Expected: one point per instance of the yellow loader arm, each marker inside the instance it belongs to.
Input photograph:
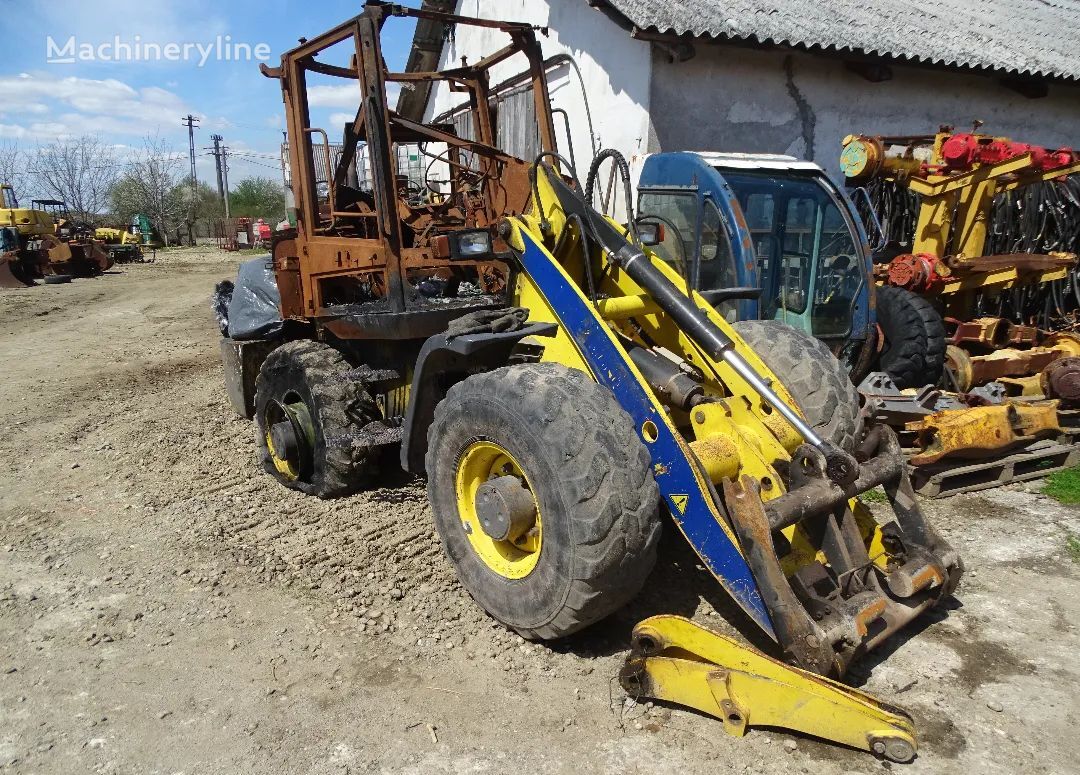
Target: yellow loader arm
(676, 660)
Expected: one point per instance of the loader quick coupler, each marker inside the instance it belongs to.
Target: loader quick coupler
(826, 617)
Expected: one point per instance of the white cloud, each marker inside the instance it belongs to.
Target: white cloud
(346, 95)
(83, 105)
(338, 119)
(36, 130)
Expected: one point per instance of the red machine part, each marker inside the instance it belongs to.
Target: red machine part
(918, 272)
(963, 151)
(1061, 380)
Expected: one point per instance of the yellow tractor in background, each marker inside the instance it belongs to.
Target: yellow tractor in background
(568, 396)
(24, 231)
(42, 242)
(124, 246)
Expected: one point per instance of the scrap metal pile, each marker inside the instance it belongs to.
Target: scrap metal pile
(980, 234)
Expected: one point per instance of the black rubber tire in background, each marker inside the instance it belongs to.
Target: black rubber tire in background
(591, 476)
(812, 375)
(913, 350)
(57, 279)
(338, 406)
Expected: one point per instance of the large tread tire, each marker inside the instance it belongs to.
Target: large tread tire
(812, 375)
(339, 407)
(913, 350)
(591, 476)
(934, 326)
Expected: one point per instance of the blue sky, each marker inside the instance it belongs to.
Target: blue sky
(123, 101)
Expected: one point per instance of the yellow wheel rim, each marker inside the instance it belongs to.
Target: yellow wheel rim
(296, 413)
(290, 470)
(512, 559)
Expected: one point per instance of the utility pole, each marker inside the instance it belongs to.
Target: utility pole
(225, 176)
(217, 163)
(192, 124)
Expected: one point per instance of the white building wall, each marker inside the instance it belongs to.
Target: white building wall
(728, 98)
(614, 67)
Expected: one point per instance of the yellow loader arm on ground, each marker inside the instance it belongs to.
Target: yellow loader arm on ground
(675, 660)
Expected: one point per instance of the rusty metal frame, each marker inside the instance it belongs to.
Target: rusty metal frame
(325, 245)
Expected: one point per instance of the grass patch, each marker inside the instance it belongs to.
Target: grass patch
(1072, 546)
(876, 495)
(1064, 486)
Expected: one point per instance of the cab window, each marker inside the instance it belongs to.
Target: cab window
(678, 214)
(804, 246)
(716, 270)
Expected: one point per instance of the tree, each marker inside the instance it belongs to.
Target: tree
(13, 169)
(151, 186)
(80, 171)
(207, 203)
(258, 198)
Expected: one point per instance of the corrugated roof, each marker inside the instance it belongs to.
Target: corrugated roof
(1018, 37)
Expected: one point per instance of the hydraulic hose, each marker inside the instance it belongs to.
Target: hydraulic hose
(841, 467)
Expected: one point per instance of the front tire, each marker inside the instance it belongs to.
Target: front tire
(812, 375)
(587, 541)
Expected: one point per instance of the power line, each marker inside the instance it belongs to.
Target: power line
(259, 164)
(272, 156)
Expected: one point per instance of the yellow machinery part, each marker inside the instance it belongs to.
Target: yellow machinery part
(983, 430)
(515, 556)
(30, 223)
(676, 660)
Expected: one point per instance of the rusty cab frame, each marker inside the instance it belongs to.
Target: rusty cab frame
(378, 264)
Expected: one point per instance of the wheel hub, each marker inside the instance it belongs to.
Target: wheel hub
(499, 511)
(505, 508)
(283, 439)
(289, 437)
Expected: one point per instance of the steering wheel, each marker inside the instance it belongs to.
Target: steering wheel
(467, 174)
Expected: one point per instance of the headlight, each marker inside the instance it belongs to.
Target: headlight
(471, 245)
(650, 233)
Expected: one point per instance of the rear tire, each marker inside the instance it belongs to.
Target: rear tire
(332, 462)
(913, 350)
(812, 375)
(593, 489)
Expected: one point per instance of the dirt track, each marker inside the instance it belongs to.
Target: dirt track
(165, 607)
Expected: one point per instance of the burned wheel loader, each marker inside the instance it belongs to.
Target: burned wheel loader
(560, 387)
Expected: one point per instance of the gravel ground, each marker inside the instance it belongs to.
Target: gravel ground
(165, 607)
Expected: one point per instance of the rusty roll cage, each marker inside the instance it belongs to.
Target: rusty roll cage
(318, 251)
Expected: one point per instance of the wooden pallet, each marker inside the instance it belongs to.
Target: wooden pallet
(1038, 459)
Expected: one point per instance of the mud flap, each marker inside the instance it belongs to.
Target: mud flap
(675, 660)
